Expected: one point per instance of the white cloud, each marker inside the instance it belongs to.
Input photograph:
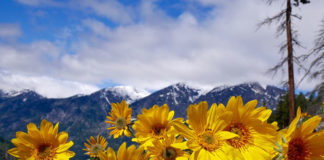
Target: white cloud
(46, 86)
(38, 57)
(223, 48)
(9, 31)
(97, 27)
(148, 54)
(111, 9)
(39, 2)
(211, 2)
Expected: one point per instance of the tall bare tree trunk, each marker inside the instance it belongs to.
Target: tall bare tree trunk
(290, 63)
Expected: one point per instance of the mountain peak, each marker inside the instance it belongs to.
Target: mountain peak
(177, 96)
(128, 91)
(248, 91)
(14, 93)
(133, 92)
(217, 89)
(252, 84)
(179, 86)
(184, 85)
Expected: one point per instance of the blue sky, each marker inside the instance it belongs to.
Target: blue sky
(60, 48)
(40, 21)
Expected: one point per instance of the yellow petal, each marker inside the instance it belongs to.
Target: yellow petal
(121, 154)
(14, 152)
(308, 127)
(293, 124)
(262, 113)
(64, 147)
(111, 154)
(65, 155)
(170, 115)
(226, 135)
(251, 105)
(62, 137)
(197, 116)
(183, 130)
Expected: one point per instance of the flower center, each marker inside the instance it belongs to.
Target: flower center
(158, 129)
(45, 152)
(96, 148)
(120, 123)
(209, 141)
(208, 138)
(244, 135)
(169, 153)
(298, 150)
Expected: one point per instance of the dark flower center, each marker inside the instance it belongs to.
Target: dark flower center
(96, 148)
(45, 152)
(209, 141)
(244, 135)
(120, 123)
(298, 150)
(169, 153)
(158, 129)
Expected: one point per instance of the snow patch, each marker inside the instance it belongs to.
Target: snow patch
(175, 100)
(129, 92)
(188, 88)
(220, 88)
(182, 84)
(14, 93)
(107, 100)
(243, 88)
(176, 87)
(256, 90)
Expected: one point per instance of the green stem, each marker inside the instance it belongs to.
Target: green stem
(132, 133)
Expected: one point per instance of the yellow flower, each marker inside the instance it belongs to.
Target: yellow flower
(41, 144)
(256, 138)
(170, 148)
(130, 153)
(107, 155)
(302, 142)
(206, 138)
(93, 147)
(153, 123)
(120, 117)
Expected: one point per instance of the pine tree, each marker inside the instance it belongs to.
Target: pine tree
(281, 114)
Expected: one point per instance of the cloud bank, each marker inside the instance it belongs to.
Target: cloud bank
(151, 49)
(46, 86)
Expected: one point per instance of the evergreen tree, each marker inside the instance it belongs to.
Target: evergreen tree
(281, 114)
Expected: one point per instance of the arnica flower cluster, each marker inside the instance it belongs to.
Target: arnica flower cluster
(236, 131)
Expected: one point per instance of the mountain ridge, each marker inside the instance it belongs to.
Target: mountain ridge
(83, 116)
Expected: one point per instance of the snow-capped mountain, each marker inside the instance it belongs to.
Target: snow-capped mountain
(177, 96)
(14, 93)
(129, 93)
(80, 115)
(83, 116)
(266, 96)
